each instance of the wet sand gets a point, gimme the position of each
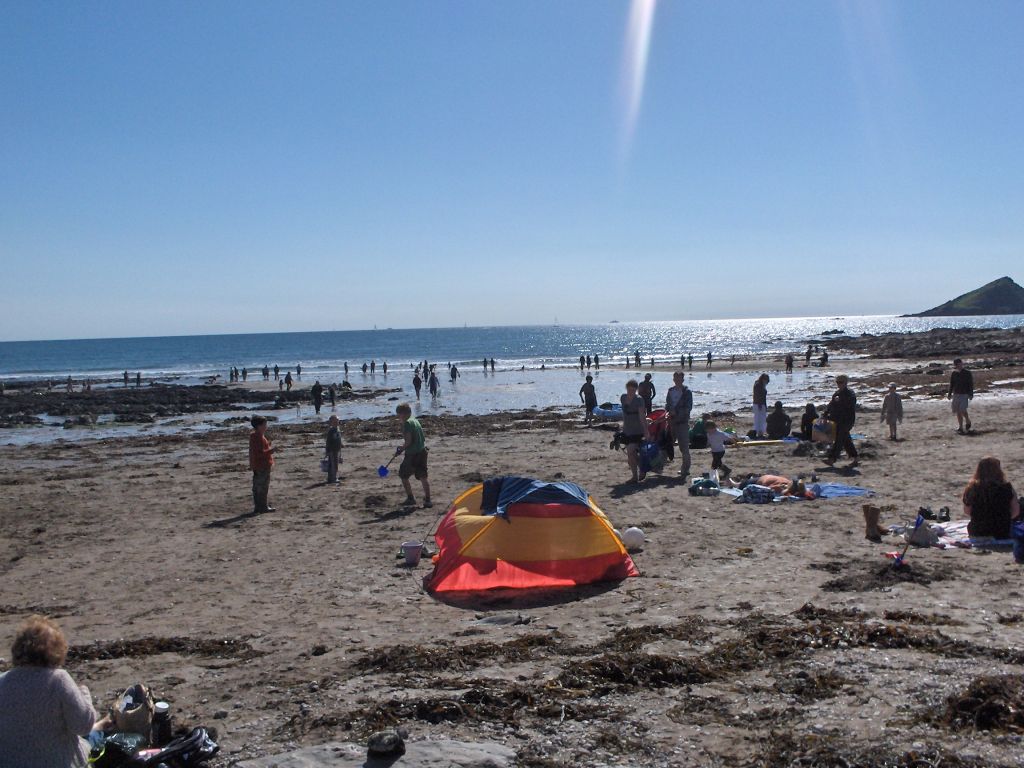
(755, 634)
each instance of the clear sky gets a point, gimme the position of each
(187, 167)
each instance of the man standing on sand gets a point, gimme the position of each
(277, 372)
(261, 461)
(597, 362)
(789, 362)
(679, 403)
(414, 462)
(126, 378)
(317, 393)
(842, 410)
(689, 361)
(138, 380)
(647, 391)
(709, 359)
(588, 396)
(332, 447)
(961, 392)
(761, 405)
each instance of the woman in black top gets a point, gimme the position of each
(634, 426)
(990, 502)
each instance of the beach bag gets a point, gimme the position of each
(757, 494)
(134, 710)
(649, 456)
(189, 751)
(703, 486)
(117, 751)
(925, 536)
(823, 431)
(325, 464)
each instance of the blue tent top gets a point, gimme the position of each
(501, 492)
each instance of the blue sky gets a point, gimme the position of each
(172, 168)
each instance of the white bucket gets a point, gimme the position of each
(412, 551)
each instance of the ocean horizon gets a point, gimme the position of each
(192, 358)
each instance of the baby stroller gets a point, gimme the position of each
(654, 453)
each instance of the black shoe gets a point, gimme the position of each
(427, 503)
(926, 513)
(944, 515)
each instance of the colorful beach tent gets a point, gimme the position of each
(520, 533)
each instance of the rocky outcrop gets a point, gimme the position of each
(1000, 297)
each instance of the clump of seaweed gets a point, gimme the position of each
(812, 686)
(224, 648)
(406, 658)
(991, 703)
(785, 750)
(866, 576)
(616, 672)
(491, 701)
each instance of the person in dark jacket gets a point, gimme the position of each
(332, 447)
(778, 422)
(317, 393)
(961, 392)
(842, 410)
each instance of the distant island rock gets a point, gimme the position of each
(1000, 297)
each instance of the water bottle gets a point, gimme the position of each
(161, 732)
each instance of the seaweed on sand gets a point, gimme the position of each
(867, 576)
(786, 750)
(224, 648)
(990, 703)
(406, 658)
(615, 672)
(491, 701)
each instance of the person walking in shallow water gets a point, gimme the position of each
(417, 382)
(433, 384)
(288, 381)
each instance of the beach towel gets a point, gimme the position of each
(954, 534)
(839, 491)
(817, 490)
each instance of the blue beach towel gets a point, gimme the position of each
(839, 491)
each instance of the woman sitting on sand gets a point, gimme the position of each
(42, 712)
(990, 502)
(807, 422)
(634, 426)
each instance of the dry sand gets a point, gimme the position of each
(755, 635)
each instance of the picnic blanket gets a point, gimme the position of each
(820, 490)
(954, 534)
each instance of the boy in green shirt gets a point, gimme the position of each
(414, 463)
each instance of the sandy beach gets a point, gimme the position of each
(755, 635)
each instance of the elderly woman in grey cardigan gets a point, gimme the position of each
(42, 712)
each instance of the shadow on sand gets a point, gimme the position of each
(523, 599)
(229, 521)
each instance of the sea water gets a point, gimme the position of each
(518, 383)
(190, 359)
